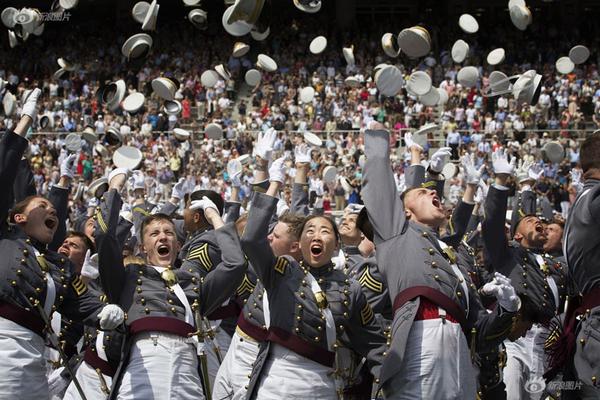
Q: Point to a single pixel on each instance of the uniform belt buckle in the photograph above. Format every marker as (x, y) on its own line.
(154, 338)
(442, 314)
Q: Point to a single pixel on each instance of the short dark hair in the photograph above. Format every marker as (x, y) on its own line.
(295, 223)
(153, 218)
(212, 195)
(324, 216)
(86, 240)
(589, 154)
(20, 207)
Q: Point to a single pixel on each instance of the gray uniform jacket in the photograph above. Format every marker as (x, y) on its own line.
(410, 255)
(295, 313)
(141, 291)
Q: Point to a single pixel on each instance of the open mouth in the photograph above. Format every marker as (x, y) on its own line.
(163, 250)
(540, 229)
(51, 222)
(316, 249)
(436, 202)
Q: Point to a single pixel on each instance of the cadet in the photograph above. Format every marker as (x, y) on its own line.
(318, 309)
(35, 281)
(438, 313)
(164, 303)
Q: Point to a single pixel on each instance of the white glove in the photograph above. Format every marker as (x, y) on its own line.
(264, 144)
(110, 317)
(203, 204)
(117, 171)
(179, 189)
(576, 180)
(353, 208)
(410, 143)
(277, 170)
(68, 167)
(522, 171)
(93, 202)
(472, 175)
(30, 106)
(482, 191)
(501, 164)
(90, 265)
(302, 153)
(439, 159)
(282, 208)
(535, 172)
(137, 180)
(504, 292)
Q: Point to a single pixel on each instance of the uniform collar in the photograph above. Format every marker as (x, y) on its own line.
(197, 233)
(19, 233)
(351, 250)
(317, 272)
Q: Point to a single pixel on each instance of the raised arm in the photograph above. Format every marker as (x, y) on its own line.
(300, 200)
(385, 208)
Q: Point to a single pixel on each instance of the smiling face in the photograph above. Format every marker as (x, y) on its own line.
(318, 242)
(424, 206)
(350, 234)
(530, 233)
(159, 242)
(38, 219)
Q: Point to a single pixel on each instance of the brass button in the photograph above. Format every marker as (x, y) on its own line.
(173, 310)
(14, 283)
(431, 251)
(147, 310)
(316, 338)
(297, 330)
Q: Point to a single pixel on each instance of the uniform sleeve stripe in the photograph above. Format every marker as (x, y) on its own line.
(141, 211)
(366, 279)
(280, 265)
(366, 314)
(101, 222)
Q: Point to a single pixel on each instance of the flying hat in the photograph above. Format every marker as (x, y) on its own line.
(127, 157)
(419, 83)
(260, 35)
(553, 151)
(267, 63)
(113, 136)
(499, 84)
(415, 42)
(349, 55)
(191, 3)
(89, 135)
(98, 187)
(352, 82)
(420, 135)
(237, 28)
(468, 76)
(307, 94)
(59, 73)
(318, 45)
(8, 17)
(329, 174)
(172, 107)
(389, 80)
(222, 70)
(137, 46)
(151, 16)
(198, 18)
(165, 88)
(64, 64)
(564, 65)
(100, 150)
(247, 11)
(468, 23)
(44, 120)
(244, 159)
(181, 134)
(234, 166)
(12, 39)
(9, 102)
(73, 142)
(240, 49)
(431, 98)
(527, 88)
(212, 195)
(312, 139)
(139, 11)
(68, 4)
(252, 77)
(459, 51)
(520, 16)
(390, 45)
(579, 54)
(209, 78)
(214, 131)
(496, 56)
(346, 185)
(309, 6)
(443, 96)
(449, 171)
(113, 94)
(134, 102)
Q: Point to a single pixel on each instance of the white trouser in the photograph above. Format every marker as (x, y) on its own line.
(232, 377)
(22, 363)
(436, 366)
(288, 375)
(90, 383)
(161, 366)
(523, 374)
